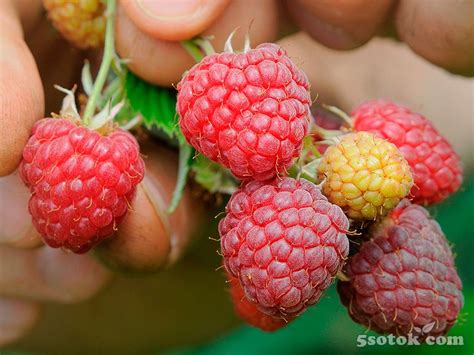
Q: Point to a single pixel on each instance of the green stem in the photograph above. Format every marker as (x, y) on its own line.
(186, 153)
(341, 114)
(107, 58)
(205, 44)
(198, 48)
(193, 50)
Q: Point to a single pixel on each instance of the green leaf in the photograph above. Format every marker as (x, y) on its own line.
(186, 153)
(212, 176)
(156, 104)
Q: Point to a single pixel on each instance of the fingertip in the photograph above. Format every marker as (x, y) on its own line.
(150, 239)
(70, 278)
(16, 229)
(439, 31)
(173, 20)
(341, 24)
(157, 61)
(142, 243)
(21, 96)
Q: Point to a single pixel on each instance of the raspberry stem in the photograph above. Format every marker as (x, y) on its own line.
(325, 133)
(109, 53)
(193, 50)
(198, 48)
(341, 114)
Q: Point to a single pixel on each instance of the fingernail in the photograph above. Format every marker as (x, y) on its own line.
(169, 9)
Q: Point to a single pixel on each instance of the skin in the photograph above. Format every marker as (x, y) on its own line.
(38, 298)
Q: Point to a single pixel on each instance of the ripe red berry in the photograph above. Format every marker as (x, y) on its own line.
(248, 311)
(404, 276)
(81, 182)
(248, 111)
(284, 242)
(436, 167)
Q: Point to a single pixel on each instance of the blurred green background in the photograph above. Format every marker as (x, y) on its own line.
(327, 327)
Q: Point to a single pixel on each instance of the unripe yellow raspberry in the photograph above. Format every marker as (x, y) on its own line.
(365, 175)
(81, 22)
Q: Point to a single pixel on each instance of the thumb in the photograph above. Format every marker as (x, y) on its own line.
(21, 91)
(173, 20)
(149, 238)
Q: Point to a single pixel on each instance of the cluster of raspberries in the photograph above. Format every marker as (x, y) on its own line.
(284, 239)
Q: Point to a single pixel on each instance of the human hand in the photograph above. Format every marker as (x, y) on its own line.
(148, 30)
(31, 274)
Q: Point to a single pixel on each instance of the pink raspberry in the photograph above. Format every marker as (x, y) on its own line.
(284, 242)
(435, 165)
(81, 182)
(404, 277)
(247, 111)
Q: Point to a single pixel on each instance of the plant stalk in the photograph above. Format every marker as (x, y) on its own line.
(109, 53)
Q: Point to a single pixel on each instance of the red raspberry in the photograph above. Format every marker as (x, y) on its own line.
(81, 182)
(248, 311)
(284, 242)
(248, 111)
(404, 277)
(436, 167)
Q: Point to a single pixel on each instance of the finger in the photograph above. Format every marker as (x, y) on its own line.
(16, 319)
(150, 238)
(21, 93)
(440, 31)
(16, 229)
(173, 20)
(163, 62)
(48, 274)
(340, 24)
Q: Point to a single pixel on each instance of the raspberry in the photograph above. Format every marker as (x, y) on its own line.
(365, 175)
(81, 22)
(247, 111)
(404, 276)
(81, 182)
(249, 312)
(284, 242)
(436, 167)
